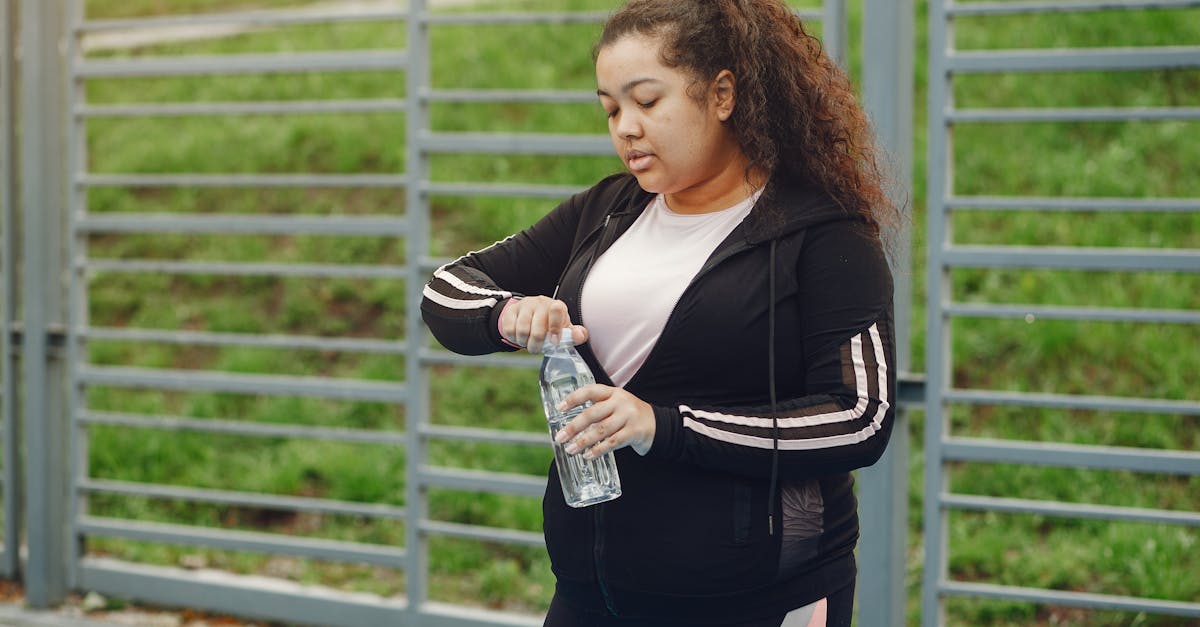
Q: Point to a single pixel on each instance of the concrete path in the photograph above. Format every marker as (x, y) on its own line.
(15, 615)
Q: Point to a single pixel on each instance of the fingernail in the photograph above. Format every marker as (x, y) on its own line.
(561, 406)
(572, 448)
(560, 437)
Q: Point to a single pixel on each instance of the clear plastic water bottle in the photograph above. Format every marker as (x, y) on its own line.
(584, 481)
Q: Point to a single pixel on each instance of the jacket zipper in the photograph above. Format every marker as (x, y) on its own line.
(597, 510)
(588, 268)
(597, 550)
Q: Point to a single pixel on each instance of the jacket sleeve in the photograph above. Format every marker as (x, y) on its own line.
(462, 301)
(843, 419)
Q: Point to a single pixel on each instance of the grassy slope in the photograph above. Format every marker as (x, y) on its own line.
(1136, 159)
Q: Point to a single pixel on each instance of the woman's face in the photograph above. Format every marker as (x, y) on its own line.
(671, 142)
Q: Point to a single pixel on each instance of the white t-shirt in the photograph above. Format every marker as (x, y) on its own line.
(635, 284)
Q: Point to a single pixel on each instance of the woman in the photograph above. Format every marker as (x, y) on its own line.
(736, 307)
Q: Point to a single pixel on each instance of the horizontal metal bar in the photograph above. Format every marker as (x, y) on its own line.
(538, 96)
(956, 9)
(224, 64)
(910, 389)
(516, 143)
(482, 481)
(224, 223)
(251, 596)
(1069, 258)
(1071, 455)
(242, 499)
(292, 16)
(547, 17)
(509, 17)
(1111, 114)
(486, 534)
(1073, 401)
(258, 542)
(1032, 313)
(429, 264)
(205, 338)
(239, 383)
(346, 271)
(1074, 59)
(1072, 599)
(477, 434)
(242, 427)
(1069, 510)
(243, 180)
(497, 360)
(293, 107)
(1059, 203)
(500, 190)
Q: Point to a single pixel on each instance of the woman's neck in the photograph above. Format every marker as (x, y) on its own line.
(727, 188)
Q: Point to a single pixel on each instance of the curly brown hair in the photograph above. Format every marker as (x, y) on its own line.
(796, 115)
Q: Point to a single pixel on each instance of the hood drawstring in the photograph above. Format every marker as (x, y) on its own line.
(771, 388)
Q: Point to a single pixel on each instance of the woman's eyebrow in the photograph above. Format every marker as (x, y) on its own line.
(628, 86)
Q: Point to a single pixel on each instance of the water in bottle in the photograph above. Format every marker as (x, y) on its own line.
(584, 481)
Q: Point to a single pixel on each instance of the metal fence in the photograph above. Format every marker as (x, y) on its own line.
(57, 335)
(943, 448)
(8, 199)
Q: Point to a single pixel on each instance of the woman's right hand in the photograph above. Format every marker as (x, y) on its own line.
(531, 320)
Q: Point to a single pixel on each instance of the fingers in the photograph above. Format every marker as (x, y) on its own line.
(533, 321)
(615, 419)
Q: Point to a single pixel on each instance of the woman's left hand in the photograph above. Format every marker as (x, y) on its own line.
(616, 418)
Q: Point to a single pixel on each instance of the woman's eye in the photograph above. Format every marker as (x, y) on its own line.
(647, 105)
(612, 113)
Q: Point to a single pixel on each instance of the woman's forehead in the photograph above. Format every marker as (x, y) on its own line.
(630, 61)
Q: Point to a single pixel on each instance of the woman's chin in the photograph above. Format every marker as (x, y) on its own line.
(648, 182)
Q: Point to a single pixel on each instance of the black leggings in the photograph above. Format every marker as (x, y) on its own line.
(840, 612)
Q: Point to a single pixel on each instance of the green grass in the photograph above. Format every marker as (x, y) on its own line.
(1137, 159)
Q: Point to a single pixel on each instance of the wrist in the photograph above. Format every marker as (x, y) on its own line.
(500, 322)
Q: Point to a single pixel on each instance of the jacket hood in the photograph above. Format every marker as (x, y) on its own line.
(783, 208)
(786, 207)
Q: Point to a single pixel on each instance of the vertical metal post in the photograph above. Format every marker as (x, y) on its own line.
(883, 488)
(834, 30)
(77, 289)
(417, 122)
(937, 343)
(42, 177)
(8, 394)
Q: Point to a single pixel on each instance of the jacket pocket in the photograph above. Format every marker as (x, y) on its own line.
(683, 531)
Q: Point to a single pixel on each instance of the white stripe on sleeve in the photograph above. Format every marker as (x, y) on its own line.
(860, 380)
(456, 303)
(463, 286)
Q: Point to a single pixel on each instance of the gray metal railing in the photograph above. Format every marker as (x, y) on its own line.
(941, 446)
(55, 200)
(9, 490)
(246, 596)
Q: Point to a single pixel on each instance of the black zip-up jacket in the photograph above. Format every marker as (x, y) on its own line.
(697, 535)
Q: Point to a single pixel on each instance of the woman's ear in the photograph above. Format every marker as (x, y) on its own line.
(724, 94)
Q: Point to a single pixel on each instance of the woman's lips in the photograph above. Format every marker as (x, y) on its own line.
(639, 161)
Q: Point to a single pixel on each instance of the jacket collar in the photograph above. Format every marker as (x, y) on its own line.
(784, 207)
(789, 206)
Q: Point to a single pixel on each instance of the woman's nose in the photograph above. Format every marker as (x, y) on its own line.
(628, 126)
